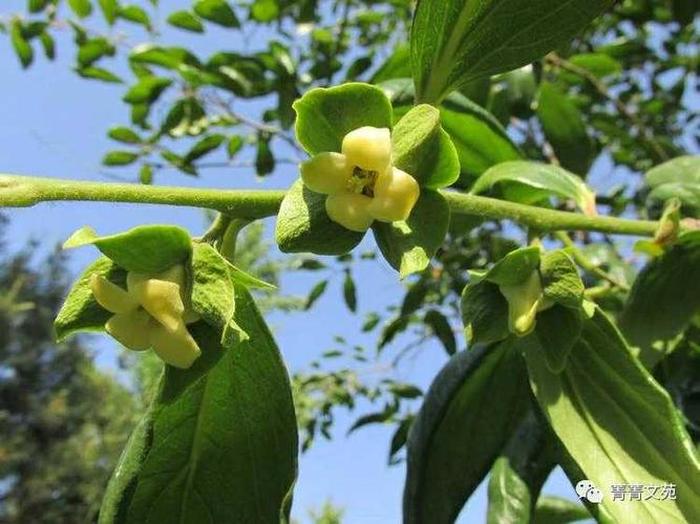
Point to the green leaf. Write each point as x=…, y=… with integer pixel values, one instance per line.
x=557, y=330
x=119, y=158
x=442, y=330
x=146, y=174
x=22, y=48
x=110, y=10
x=350, y=292
x=264, y=10
x=398, y=65
x=600, y=65
x=264, y=158
x=509, y=496
x=146, y=90
x=135, y=14
x=461, y=429
x=679, y=178
x=484, y=313
x=303, y=225
x=36, y=6
x=92, y=50
x=124, y=135
x=421, y=148
x=457, y=41
x=232, y=431
x=82, y=8
x=168, y=57
x=515, y=267
x=48, y=44
x=556, y=510
x=564, y=128
x=664, y=298
x=143, y=249
x=409, y=245
x=234, y=145
x=203, y=147
x=531, y=182
x=185, y=20
x=618, y=424
x=80, y=310
x=217, y=11
x=561, y=282
x=325, y=116
x=315, y=294
x=98, y=73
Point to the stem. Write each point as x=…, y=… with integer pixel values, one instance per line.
x=20, y=191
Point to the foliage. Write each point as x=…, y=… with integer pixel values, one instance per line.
x=520, y=107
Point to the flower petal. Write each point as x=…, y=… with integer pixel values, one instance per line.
x=369, y=148
x=325, y=173
x=350, y=210
x=160, y=298
x=131, y=330
x=110, y=296
x=177, y=275
x=176, y=347
x=395, y=194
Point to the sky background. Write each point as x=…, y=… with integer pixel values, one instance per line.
x=53, y=124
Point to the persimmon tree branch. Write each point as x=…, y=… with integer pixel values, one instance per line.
x=24, y=191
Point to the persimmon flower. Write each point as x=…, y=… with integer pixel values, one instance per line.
x=525, y=300
x=361, y=183
x=153, y=312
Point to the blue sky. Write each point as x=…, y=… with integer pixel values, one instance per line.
x=53, y=124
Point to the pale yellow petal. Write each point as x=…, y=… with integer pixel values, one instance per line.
x=326, y=173
x=523, y=303
x=395, y=195
x=368, y=148
x=160, y=298
x=131, y=330
x=177, y=275
x=350, y=210
x=176, y=347
x=110, y=296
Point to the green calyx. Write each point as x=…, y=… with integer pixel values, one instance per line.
x=525, y=300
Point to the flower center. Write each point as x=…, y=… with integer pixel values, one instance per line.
x=362, y=181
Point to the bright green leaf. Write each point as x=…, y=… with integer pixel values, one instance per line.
x=134, y=13
x=186, y=20
x=82, y=8
x=146, y=90
x=203, y=147
x=110, y=10
x=22, y=48
x=119, y=158
x=99, y=73
x=217, y=11
x=124, y=134
x=679, y=178
x=556, y=510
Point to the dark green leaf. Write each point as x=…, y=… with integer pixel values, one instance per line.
x=325, y=116
x=23, y=50
x=110, y=9
x=264, y=158
x=194, y=446
x=349, y=292
x=457, y=41
x=146, y=90
x=186, y=20
x=398, y=65
x=484, y=313
x=557, y=330
x=442, y=330
x=82, y=8
x=217, y=11
x=617, y=423
x=303, y=225
x=564, y=128
x=315, y=293
x=36, y=6
x=664, y=298
x=408, y=246
x=119, y=158
x=143, y=249
x=99, y=73
x=134, y=13
x=49, y=45
x=203, y=147
x=473, y=405
x=234, y=145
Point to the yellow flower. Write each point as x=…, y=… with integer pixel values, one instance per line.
x=152, y=313
x=524, y=301
x=361, y=183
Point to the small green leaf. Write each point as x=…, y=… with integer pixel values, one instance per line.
x=679, y=178
x=135, y=14
x=186, y=20
x=92, y=50
x=484, y=313
x=36, y=6
x=82, y=8
x=143, y=249
x=230, y=430
x=600, y=65
x=460, y=430
x=533, y=182
x=234, y=145
x=80, y=310
x=203, y=147
x=409, y=245
x=23, y=49
x=146, y=174
x=110, y=10
x=119, y=158
x=264, y=158
x=99, y=73
x=303, y=225
x=589, y=407
x=146, y=90
x=315, y=293
x=442, y=330
x=124, y=135
x=422, y=149
x=556, y=510
x=168, y=57
x=264, y=10
x=454, y=42
x=325, y=116
x=565, y=129
x=350, y=292
x=664, y=298
x=217, y=11
x=48, y=44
